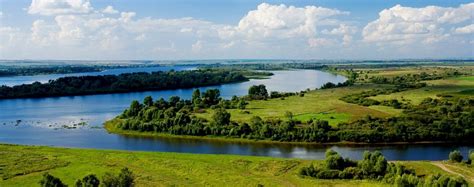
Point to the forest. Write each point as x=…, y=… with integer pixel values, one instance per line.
x=128, y=82
x=23, y=71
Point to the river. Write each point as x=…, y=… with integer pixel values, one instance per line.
x=40, y=121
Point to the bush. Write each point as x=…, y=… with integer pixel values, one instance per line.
x=51, y=181
x=88, y=181
x=455, y=156
x=124, y=179
x=328, y=174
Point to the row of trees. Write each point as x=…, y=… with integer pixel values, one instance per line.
x=447, y=119
x=23, y=71
x=128, y=82
x=124, y=179
x=374, y=166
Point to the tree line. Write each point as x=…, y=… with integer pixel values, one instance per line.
x=128, y=82
x=124, y=179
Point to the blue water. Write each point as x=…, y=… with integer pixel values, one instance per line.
x=42, y=119
x=17, y=80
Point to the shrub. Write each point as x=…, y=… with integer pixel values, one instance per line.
x=88, y=181
x=328, y=174
x=51, y=181
x=124, y=179
x=455, y=156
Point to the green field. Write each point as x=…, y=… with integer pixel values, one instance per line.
x=460, y=86
x=316, y=104
x=24, y=166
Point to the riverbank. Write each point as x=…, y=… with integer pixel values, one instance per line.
x=24, y=165
x=109, y=127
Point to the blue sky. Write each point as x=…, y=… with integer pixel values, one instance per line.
x=216, y=29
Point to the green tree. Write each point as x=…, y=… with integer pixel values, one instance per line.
x=134, y=108
x=258, y=92
x=126, y=178
x=221, y=117
x=88, y=181
x=455, y=156
x=211, y=97
x=51, y=181
x=196, y=95
x=148, y=101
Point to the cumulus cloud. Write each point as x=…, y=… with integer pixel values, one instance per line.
x=109, y=10
x=74, y=29
x=53, y=7
x=280, y=22
x=404, y=25
x=469, y=29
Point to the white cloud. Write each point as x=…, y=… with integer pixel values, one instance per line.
x=282, y=22
x=53, y=7
x=405, y=25
x=74, y=29
x=469, y=29
x=109, y=10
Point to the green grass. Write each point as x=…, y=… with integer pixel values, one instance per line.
x=319, y=104
x=160, y=169
x=28, y=163
x=332, y=118
x=460, y=86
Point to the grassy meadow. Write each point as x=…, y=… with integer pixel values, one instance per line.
x=316, y=104
x=24, y=166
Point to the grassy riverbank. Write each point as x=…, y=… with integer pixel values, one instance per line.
x=24, y=165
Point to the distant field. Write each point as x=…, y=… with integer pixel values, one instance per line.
x=316, y=104
x=461, y=86
x=26, y=164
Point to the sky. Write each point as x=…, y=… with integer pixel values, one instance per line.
x=232, y=29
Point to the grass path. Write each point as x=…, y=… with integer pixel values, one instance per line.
x=450, y=168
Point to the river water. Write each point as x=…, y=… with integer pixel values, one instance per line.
x=40, y=121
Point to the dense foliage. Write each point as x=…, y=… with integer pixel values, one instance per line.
x=129, y=82
x=374, y=166
x=51, y=181
x=124, y=179
x=48, y=70
x=447, y=119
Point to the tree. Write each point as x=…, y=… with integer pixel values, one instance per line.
x=221, y=116
x=211, y=97
x=124, y=179
x=134, y=109
x=110, y=180
x=196, y=95
x=148, y=101
x=258, y=92
x=242, y=104
x=51, y=181
x=88, y=181
x=455, y=156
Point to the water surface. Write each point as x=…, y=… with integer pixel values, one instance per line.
x=39, y=122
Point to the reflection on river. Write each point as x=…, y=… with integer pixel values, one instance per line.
x=41, y=121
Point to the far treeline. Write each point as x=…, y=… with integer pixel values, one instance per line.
x=24, y=71
x=128, y=82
